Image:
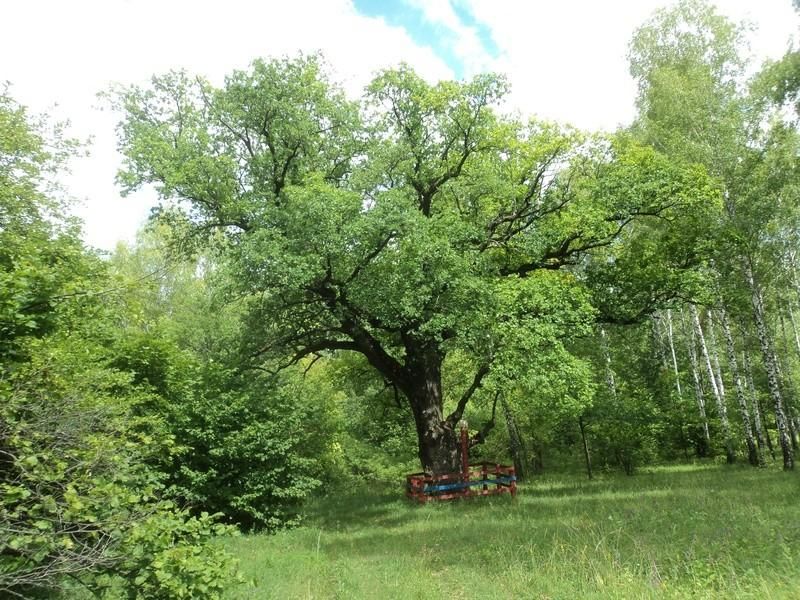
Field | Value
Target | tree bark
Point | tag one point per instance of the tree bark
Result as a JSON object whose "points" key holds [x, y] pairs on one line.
{"points": [[762, 435], [438, 441], [516, 443], [658, 341], [672, 353], [722, 410], [788, 401], [676, 371], [586, 455], [698, 391], [754, 455], [610, 381], [787, 385], [712, 351], [794, 330], [770, 364], [438, 438]]}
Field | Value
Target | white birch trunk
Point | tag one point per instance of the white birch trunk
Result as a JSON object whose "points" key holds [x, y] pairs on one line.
{"points": [[712, 351], [658, 341], [794, 330], [762, 435], [754, 456], [672, 353], [722, 410], [770, 364], [788, 389], [610, 381], [698, 388], [676, 371]]}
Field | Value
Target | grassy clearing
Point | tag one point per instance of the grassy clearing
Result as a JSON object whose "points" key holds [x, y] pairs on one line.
{"points": [[676, 532]]}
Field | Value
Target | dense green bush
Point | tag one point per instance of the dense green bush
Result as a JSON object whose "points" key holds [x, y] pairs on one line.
{"points": [[79, 505], [77, 501], [247, 446]]}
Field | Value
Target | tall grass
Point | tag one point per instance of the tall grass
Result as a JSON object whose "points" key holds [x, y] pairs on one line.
{"points": [[678, 532]]}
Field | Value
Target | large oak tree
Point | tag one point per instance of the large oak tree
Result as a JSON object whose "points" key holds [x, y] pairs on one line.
{"points": [[414, 226]]}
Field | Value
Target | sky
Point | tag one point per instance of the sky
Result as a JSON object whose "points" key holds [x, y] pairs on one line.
{"points": [[565, 60]]}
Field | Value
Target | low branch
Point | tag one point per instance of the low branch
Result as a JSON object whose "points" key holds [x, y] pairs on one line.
{"points": [[481, 436], [455, 416], [313, 348]]}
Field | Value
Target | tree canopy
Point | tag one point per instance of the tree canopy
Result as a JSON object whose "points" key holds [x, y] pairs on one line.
{"points": [[417, 223]]}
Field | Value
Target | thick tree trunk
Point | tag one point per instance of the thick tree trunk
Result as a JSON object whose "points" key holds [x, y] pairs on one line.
{"points": [[770, 364], [438, 440], [722, 410], [439, 450], [754, 455], [698, 390]]}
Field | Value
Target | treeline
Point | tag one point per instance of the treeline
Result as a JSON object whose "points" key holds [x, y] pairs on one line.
{"points": [[325, 277], [730, 346]]}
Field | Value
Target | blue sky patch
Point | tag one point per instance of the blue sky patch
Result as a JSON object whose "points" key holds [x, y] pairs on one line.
{"points": [[424, 33], [484, 33]]}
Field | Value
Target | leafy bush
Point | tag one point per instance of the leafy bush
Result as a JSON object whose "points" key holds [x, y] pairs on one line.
{"points": [[76, 501], [245, 446]]}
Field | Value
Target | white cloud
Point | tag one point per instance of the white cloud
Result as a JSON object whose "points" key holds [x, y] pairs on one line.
{"points": [[566, 59], [65, 52], [468, 46]]}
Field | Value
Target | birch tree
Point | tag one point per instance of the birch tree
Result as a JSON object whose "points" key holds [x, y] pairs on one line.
{"points": [[762, 435], [698, 385], [722, 411], [695, 102], [754, 455], [771, 366]]}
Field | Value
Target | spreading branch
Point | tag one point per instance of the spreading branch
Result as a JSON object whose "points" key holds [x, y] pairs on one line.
{"points": [[481, 436], [455, 416]]}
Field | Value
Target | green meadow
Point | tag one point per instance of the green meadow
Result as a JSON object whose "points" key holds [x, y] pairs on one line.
{"points": [[671, 532]]}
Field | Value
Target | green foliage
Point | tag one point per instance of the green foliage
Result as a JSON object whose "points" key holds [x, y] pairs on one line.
{"points": [[173, 556], [419, 225], [689, 62], [41, 256], [77, 500], [375, 441], [253, 452], [660, 257], [626, 432], [248, 446]]}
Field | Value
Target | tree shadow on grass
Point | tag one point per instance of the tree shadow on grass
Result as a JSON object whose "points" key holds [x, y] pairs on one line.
{"points": [[674, 526], [357, 508], [615, 496]]}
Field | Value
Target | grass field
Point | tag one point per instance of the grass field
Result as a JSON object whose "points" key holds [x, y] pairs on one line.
{"points": [[673, 532]]}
